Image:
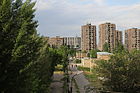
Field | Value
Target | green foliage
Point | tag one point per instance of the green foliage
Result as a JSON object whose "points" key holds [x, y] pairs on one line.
{"points": [[83, 68], [64, 52], [77, 61], [93, 53], [121, 72], [72, 52], [26, 61], [106, 47], [119, 48]]}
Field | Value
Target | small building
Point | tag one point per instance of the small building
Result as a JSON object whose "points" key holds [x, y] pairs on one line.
{"points": [[80, 55], [90, 62], [103, 55]]}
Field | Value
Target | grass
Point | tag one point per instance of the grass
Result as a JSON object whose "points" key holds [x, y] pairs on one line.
{"points": [[85, 69], [58, 69], [91, 76]]}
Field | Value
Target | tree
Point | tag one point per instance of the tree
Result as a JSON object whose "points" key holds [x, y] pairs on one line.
{"points": [[6, 42], [121, 72], [26, 61], [119, 48], [19, 46], [106, 47], [72, 52], [93, 53], [77, 61]]}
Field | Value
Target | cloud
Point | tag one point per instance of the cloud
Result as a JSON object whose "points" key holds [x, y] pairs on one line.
{"points": [[100, 2], [65, 17]]}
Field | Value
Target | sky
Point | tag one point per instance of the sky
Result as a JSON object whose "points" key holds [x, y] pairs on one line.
{"points": [[65, 17]]}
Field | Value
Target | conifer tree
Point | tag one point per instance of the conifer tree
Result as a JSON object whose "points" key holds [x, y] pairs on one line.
{"points": [[6, 43]]}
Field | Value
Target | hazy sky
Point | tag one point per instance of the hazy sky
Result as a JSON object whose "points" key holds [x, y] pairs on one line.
{"points": [[65, 17]]}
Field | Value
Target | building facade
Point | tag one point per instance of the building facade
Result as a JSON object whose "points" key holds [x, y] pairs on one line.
{"points": [[88, 37], [80, 55], [55, 41], [72, 42], [108, 34], [132, 39], [119, 37], [91, 62]]}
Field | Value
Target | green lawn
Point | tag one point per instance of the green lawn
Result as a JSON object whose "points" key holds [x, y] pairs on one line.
{"points": [[59, 68], [91, 76]]}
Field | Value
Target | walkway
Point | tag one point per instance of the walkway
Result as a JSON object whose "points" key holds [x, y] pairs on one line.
{"points": [[80, 79], [57, 84]]}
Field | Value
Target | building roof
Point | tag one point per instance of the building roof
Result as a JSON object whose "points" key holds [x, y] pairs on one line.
{"points": [[103, 53]]}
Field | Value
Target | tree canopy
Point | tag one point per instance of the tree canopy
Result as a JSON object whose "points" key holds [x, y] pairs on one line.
{"points": [[26, 61], [121, 72]]}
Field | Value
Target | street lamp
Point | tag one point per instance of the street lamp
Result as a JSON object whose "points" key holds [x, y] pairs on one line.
{"points": [[79, 72]]}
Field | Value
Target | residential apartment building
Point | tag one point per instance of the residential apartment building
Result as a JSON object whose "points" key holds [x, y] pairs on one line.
{"points": [[72, 42], [119, 37], [108, 34], [132, 39], [88, 37], [55, 41]]}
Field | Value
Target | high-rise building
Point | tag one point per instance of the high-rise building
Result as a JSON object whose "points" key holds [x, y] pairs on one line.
{"points": [[88, 37], [72, 42], [109, 35], [132, 39], [119, 37]]}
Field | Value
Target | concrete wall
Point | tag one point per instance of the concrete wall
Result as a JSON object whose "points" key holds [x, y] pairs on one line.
{"points": [[88, 62]]}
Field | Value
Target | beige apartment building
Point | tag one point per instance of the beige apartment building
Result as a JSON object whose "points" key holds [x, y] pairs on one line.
{"points": [[108, 34], [88, 37], [119, 37], [55, 41], [132, 39], [73, 42]]}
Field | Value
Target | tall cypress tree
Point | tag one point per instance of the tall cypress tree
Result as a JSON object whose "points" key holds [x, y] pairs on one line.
{"points": [[26, 62], [26, 47], [6, 42], [19, 44]]}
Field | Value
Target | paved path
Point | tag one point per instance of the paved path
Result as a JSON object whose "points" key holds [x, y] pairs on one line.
{"points": [[80, 79], [57, 84]]}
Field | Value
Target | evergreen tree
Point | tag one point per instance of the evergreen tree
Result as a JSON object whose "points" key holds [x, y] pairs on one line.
{"points": [[6, 43], [26, 61], [26, 47]]}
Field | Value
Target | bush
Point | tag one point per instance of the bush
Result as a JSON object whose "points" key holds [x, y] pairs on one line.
{"points": [[77, 61], [121, 72]]}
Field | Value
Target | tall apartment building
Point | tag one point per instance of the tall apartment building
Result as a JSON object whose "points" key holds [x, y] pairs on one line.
{"points": [[55, 41], [108, 34], [73, 42], [119, 37], [88, 37], [132, 39]]}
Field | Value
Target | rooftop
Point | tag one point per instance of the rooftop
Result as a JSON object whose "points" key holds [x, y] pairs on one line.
{"points": [[103, 53]]}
